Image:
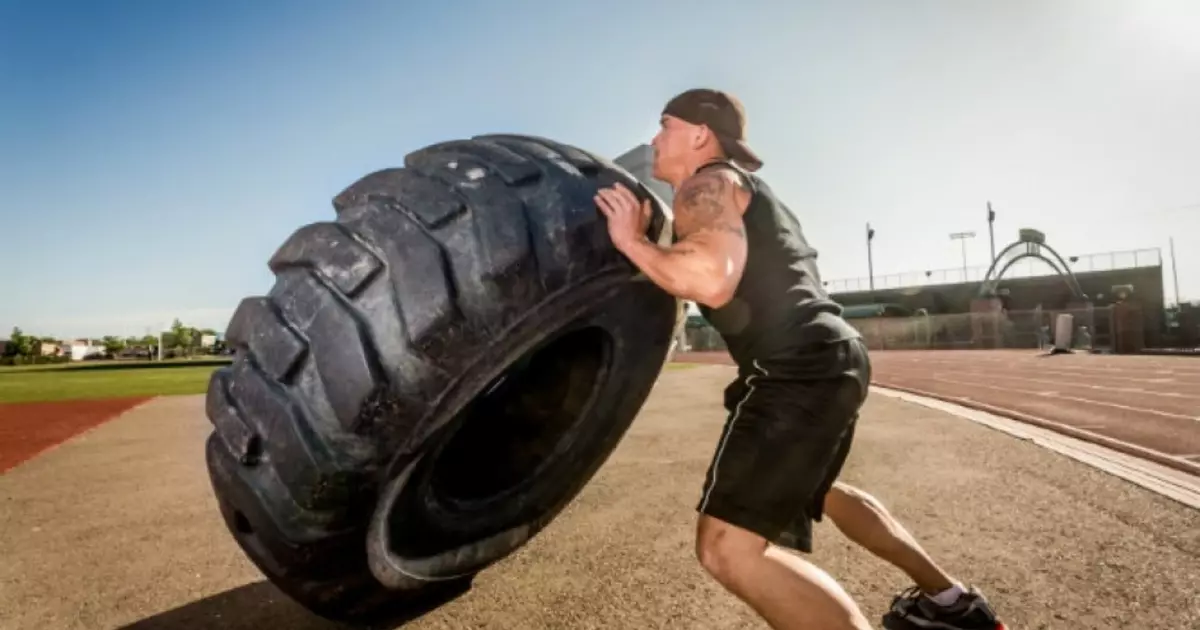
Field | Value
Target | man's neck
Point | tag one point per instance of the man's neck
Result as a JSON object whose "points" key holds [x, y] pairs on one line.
{"points": [[691, 168]]}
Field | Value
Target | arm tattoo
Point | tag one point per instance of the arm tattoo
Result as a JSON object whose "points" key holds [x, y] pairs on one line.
{"points": [[703, 202], [703, 198]]}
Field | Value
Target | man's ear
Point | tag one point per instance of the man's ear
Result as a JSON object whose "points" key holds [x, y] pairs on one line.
{"points": [[709, 137]]}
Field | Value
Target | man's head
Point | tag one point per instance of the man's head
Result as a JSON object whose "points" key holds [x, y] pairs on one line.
{"points": [[698, 126]]}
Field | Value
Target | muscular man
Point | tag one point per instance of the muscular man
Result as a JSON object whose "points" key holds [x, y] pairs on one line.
{"points": [[803, 374]]}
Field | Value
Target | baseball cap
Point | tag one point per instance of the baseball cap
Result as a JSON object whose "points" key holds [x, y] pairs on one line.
{"points": [[721, 112]]}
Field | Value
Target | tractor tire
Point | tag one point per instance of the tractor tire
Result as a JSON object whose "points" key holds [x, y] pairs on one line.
{"points": [[434, 375]]}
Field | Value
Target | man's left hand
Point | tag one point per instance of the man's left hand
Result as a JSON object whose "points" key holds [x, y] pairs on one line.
{"points": [[628, 219]]}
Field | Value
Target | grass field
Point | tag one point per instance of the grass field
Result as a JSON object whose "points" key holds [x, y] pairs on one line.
{"points": [[102, 381], [116, 365]]}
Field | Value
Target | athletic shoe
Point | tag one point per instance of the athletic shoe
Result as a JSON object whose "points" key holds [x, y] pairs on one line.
{"points": [[913, 610]]}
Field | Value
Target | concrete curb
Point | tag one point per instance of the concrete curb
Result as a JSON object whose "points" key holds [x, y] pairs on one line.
{"points": [[1161, 474]]}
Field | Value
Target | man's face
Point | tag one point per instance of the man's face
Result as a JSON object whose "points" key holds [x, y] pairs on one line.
{"points": [[674, 143]]}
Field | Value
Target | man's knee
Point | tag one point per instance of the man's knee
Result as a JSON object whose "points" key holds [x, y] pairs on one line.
{"points": [[723, 549]]}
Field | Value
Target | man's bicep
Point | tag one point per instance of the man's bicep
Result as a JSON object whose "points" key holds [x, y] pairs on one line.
{"points": [[722, 254]]}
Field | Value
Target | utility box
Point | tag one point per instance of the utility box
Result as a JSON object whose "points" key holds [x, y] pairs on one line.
{"points": [[1129, 333], [985, 323]]}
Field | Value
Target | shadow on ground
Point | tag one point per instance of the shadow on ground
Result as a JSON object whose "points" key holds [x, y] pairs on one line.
{"points": [[262, 605]]}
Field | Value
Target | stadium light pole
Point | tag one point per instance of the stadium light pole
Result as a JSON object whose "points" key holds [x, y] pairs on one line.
{"points": [[1175, 272], [991, 230], [870, 261], [963, 236]]}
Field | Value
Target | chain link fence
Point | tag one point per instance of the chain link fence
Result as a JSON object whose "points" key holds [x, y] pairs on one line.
{"points": [[1092, 328], [1028, 268]]}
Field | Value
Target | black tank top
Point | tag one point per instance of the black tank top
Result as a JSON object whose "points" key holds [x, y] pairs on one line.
{"points": [[780, 310]]}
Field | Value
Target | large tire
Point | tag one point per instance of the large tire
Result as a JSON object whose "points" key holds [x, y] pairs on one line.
{"points": [[434, 375]]}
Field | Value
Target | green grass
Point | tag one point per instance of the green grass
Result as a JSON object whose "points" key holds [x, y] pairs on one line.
{"points": [[98, 380], [101, 381], [117, 365]]}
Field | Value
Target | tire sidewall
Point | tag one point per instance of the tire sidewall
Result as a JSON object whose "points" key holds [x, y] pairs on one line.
{"points": [[640, 317]]}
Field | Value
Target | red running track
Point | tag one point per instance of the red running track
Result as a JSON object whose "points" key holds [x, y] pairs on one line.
{"points": [[1149, 401]]}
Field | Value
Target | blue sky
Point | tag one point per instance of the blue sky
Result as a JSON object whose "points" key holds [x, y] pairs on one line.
{"points": [[154, 154]]}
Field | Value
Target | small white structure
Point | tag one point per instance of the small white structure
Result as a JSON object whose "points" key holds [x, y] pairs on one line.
{"points": [[1064, 329], [82, 348]]}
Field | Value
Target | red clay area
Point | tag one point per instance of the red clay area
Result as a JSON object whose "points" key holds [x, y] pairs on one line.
{"points": [[27, 429], [1149, 401]]}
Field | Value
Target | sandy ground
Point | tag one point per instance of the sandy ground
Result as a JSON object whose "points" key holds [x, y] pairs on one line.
{"points": [[117, 529]]}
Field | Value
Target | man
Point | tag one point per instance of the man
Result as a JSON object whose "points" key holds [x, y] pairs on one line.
{"points": [[803, 374]]}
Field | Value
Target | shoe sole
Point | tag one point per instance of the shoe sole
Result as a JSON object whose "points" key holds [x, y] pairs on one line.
{"points": [[898, 623]]}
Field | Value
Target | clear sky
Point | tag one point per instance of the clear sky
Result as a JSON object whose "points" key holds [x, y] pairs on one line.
{"points": [[154, 154]]}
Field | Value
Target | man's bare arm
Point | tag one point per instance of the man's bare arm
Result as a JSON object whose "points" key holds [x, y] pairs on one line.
{"points": [[707, 262]]}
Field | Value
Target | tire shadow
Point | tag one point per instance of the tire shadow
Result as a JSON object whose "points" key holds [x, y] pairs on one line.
{"points": [[262, 605]]}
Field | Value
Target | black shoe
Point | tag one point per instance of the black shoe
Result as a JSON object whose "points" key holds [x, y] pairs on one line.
{"points": [[913, 610]]}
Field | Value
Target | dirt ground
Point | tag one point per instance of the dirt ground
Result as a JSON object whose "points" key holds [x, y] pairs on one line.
{"points": [[27, 429], [118, 529]]}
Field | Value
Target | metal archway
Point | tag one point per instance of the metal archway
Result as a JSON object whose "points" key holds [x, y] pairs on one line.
{"points": [[1030, 244]]}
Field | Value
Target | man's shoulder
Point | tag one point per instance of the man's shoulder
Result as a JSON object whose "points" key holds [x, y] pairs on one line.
{"points": [[714, 189], [724, 172]]}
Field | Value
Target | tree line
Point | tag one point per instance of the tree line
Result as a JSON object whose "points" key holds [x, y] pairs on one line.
{"points": [[178, 341]]}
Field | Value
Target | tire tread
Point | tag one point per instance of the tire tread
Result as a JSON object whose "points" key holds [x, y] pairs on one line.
{"points": [[374, 314]]}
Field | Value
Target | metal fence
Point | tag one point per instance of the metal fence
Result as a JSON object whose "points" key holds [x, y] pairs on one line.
{"points": [[1092, 329], [703, 338], [1028, 268]]}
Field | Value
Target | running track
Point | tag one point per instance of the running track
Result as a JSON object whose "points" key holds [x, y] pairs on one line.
{"points": [[1148, 401]]}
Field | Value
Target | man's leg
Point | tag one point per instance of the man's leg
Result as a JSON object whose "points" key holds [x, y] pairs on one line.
{"points": [[938, 601], [767, 477], [864, 520], [784, 589]]}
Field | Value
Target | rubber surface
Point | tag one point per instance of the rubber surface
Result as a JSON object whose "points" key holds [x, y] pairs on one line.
{"points": [[413, 320]]}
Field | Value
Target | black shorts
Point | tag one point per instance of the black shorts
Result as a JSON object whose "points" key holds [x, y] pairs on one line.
{"points": [[790, 426]]}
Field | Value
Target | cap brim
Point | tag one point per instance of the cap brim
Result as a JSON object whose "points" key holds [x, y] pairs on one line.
{"points": [[740, 152]]}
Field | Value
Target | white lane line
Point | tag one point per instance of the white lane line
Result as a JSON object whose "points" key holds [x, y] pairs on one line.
{"points": [[937, 376], [1058, 382]]}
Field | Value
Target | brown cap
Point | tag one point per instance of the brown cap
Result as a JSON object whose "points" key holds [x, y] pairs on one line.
{"points": [[724, 115]]}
